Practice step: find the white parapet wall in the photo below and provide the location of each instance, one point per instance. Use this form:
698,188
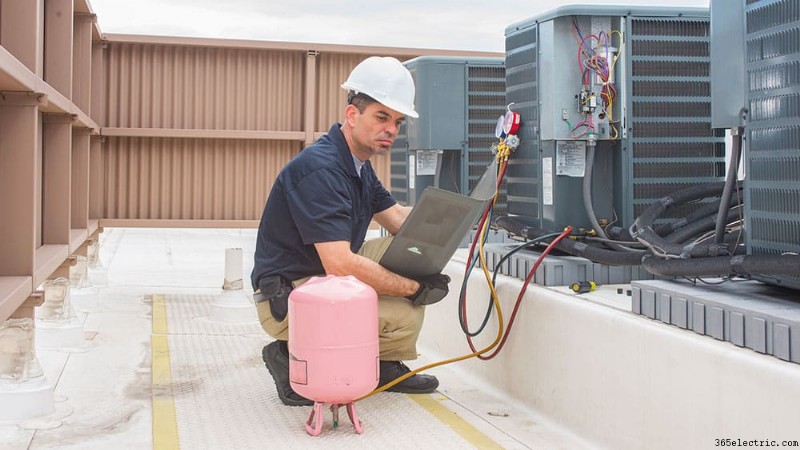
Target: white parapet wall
615,379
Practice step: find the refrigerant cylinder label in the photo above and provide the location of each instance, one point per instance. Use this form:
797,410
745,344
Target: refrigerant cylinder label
571,158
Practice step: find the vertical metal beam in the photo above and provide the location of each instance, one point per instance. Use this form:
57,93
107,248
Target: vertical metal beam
82,61
96,178
310,109
58,17
19,137
98,97
21,32
56,178
79,214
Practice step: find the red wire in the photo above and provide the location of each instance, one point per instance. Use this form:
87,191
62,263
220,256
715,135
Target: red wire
539,260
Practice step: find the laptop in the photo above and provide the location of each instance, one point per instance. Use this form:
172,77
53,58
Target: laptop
435,228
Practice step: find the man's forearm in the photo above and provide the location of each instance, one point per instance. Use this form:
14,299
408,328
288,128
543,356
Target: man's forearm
370,272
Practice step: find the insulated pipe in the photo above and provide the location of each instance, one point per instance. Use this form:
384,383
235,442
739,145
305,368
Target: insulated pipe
587,190
655,210
701,225
711,209
724,265
699,213
730,182
643,231
587,196
592,253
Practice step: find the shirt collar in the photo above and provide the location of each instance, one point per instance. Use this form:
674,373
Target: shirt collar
346,156
359,164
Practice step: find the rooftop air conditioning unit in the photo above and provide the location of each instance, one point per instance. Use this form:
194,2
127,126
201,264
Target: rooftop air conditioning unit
449,146
619,94
772,157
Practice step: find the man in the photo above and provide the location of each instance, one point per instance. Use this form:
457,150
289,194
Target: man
316,219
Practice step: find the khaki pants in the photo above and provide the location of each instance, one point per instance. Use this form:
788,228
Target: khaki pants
399,320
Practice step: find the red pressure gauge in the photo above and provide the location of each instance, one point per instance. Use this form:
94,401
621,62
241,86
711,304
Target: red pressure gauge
511,123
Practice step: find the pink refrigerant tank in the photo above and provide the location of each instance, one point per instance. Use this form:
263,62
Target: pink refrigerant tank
333,345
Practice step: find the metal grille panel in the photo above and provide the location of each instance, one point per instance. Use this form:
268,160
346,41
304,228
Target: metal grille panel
675,28
486,90
671,144
399,165
772,166
459,101
522,89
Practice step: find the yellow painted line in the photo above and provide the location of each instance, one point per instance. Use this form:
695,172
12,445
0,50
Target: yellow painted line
165,419
454,421
159,314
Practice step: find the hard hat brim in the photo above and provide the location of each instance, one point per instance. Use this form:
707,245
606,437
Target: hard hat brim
389,104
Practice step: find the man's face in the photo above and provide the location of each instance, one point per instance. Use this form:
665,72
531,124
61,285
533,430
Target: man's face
374,130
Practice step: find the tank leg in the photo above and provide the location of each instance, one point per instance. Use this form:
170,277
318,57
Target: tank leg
351,411
316,429
335,412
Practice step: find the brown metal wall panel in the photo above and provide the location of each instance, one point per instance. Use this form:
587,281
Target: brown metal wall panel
195,179
332,71
165,86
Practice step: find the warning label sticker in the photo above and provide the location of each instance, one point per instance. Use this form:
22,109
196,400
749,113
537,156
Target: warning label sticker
571,158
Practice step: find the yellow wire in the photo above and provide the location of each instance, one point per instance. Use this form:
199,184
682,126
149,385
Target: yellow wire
619,52
495,301
610,109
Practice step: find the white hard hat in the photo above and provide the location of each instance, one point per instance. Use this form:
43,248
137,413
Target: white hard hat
386,80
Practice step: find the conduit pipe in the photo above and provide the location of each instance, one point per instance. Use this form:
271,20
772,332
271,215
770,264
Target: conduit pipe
642,228
730,183
596,254
743,265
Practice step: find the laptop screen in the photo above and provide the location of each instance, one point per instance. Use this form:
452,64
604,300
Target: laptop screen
436,226
432,232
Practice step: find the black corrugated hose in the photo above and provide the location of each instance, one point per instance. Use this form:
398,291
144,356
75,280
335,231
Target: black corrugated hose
682,258
596,254
642,228
720,266
670,228
731,182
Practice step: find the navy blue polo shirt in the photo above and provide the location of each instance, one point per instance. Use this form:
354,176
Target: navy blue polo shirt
317,197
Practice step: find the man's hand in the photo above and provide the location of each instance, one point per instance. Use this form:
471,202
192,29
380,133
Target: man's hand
431,289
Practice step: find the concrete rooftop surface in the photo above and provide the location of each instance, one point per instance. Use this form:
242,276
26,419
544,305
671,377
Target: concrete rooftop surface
171,360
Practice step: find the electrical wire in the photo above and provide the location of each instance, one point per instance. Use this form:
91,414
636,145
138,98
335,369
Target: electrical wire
631,244
484,225
591,61
522,291
472,258
495,271
480,238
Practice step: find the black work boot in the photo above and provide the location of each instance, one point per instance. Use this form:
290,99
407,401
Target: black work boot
276,358
416,384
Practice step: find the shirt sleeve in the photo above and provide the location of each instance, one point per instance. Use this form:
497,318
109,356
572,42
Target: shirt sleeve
321,207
